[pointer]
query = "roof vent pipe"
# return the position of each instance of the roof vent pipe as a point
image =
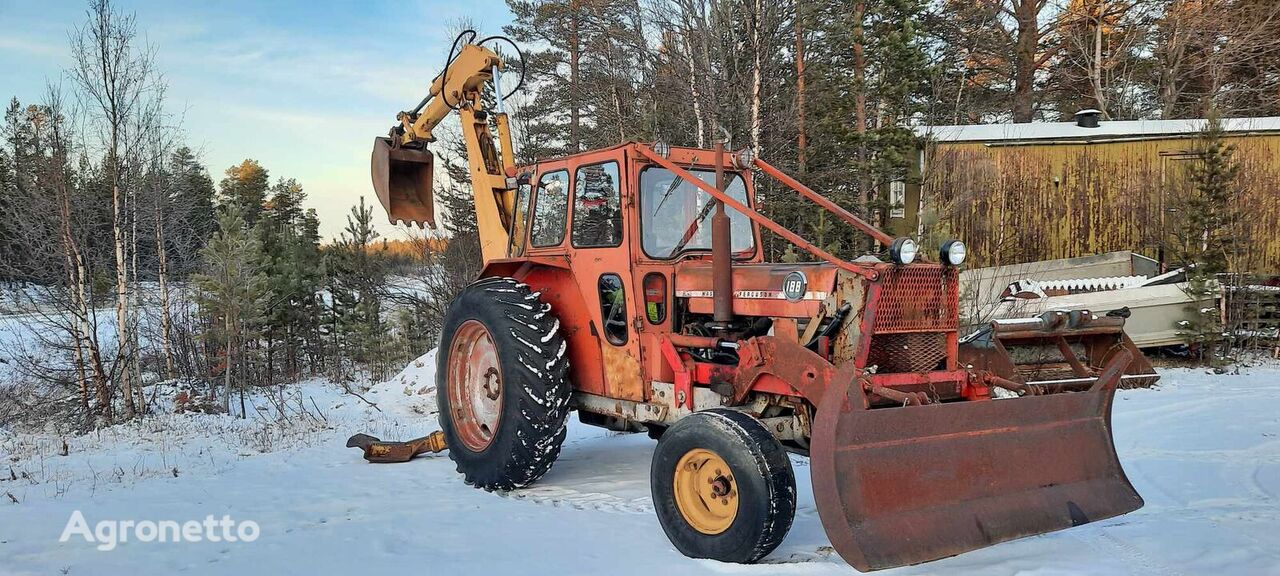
(1088, 118)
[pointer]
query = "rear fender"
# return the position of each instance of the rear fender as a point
(552, 278)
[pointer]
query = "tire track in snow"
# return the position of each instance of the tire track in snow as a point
(820, 554)
(560, 497)
(568, 498)
(1134, 560)
(1260, 486)
(1268, 453)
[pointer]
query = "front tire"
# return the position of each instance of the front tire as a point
(723, 487)
(501, 384)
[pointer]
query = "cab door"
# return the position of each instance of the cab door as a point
(602, 265)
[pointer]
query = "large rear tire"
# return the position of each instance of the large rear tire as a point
(501, 384)
(723, 487)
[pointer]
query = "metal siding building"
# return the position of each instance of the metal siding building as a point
(1024, 192)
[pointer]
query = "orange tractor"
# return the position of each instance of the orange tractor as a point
(629, 284)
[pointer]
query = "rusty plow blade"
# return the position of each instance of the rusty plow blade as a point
(903, 485)
(402, 178)
(383, 452)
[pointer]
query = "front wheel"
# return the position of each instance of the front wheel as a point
(501, 384)
(723, 487)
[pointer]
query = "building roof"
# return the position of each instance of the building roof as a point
(1107, 130)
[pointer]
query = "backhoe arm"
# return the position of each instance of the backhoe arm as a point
(402, 164)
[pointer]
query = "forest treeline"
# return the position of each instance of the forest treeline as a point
(223, 283)
(127, 264)
(829, 90)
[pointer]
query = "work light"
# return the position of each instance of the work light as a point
(952, 252)
(903, 251)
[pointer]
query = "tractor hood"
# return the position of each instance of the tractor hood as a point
(783, 290)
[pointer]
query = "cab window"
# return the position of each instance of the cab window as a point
(676, 215)
(550, 209)
(613, 309)
(597, 209)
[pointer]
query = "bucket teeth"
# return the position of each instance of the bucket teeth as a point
(402, 178)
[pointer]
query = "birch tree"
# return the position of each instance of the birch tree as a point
(120, 89)
(49, 202)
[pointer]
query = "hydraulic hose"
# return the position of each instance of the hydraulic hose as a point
(444, 74)
(470, 36)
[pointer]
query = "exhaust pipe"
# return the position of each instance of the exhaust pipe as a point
(721, 252)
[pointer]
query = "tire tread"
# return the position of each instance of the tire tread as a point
(542, 367)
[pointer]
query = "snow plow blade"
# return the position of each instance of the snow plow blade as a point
(402, 178)
(904, 485)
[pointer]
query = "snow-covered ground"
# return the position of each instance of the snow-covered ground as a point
(1202, 449)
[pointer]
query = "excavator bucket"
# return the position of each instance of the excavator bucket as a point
(903, 485)
(402, 178)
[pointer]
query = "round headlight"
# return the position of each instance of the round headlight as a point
(662, 149)
(903, 251)
(953, 252)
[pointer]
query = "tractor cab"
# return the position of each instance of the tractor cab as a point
(617, 225)
(594, 194)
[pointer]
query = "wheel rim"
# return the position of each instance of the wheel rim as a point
(705, 491)
(475, 386)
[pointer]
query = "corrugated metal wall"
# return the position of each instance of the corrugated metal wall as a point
(1020, 203)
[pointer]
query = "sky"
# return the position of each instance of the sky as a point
(302, 87)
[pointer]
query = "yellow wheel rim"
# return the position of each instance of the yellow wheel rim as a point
(705, 491)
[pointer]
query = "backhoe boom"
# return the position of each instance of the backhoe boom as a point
(402, 165)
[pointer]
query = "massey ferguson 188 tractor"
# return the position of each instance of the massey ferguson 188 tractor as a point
(629, 284)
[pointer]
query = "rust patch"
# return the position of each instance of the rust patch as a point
(621, 374)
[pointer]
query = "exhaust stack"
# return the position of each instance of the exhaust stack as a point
(721, 251)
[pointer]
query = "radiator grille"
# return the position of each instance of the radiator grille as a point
(909, 352)
(918, 298)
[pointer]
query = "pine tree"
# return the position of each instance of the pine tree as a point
(289, 241)
(193, 198)
(245, 186)
(356, 277)
(1207, 239)
(870, 62)
(588, 68)
(231, 293)
(309, 309)
(559, 26)
(8, 193)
